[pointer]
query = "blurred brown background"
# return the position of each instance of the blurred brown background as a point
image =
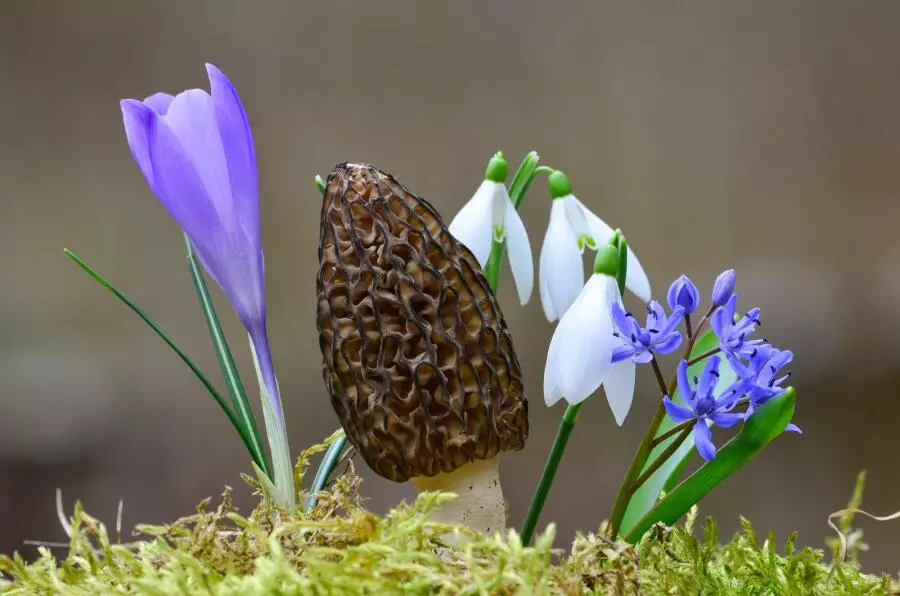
(759, 135)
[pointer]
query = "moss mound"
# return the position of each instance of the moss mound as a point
(340, 548)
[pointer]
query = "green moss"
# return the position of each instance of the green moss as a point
(340, 548)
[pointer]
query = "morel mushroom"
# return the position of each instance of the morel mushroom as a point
(418, 360)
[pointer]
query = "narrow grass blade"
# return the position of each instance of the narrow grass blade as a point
(670, 472)
(759, 430)
(162, 334)
(226, 361)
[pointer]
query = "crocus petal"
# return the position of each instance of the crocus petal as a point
(192, 118)
(159, 102)
(561, 269)
(473, 225)
(139, 121)
(635, 278)
(585, 341)
(622, 352)
(677, 412)
(519, 250)
(237, 143)
(673, 321)
(791, 427)
(703, 440)
(619, 388)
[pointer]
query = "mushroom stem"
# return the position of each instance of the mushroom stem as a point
(479, 502)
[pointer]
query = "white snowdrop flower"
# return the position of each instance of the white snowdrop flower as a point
(572, 228)
(490, 216)
(579, 360)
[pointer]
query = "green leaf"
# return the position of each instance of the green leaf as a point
(670, 472)
(767, 423)
(162, 334)
(329, 462)
(226, 362)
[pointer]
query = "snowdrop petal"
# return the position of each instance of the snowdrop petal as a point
(561, 269)
(586, 341)
(635, 279)
(473, 225)
(619, 387)
(518, 247)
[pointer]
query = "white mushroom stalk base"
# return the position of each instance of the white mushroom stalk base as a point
(479, 502)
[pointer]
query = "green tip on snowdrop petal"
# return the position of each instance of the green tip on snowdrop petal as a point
(497, 169)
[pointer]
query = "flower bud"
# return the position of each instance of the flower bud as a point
(723, 288)
(496, 169)
(683, 293)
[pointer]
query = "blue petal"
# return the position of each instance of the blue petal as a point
(237, 144)
(621, 353)
(684, 387)
(623, 322)
(673, 321)
(725, 420)
(710, 376)
(642, 356)
(703, 440)
(677, 412)
(656, 316)
(139, 121)
(793, 428)
(159, 102)
(191, 118)
(669, 344)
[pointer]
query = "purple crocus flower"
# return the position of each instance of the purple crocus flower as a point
(702, 405)
(683, 293)
(733, 334)
(640, 343)
(196, 152)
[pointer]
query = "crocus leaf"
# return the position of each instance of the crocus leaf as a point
(670, 472)
(768, 422)
(226, 362)
(162, 334)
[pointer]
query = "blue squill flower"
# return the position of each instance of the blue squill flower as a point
(702, 405)
(723, 287)
(733, 334)
(683, 293)
(760, 374)
(196, 152)
(640, 343)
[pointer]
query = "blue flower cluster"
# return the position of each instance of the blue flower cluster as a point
(755, 362)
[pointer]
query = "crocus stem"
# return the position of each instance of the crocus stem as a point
(659, 461)
(566, 425)
(273, 415)
(226, 361)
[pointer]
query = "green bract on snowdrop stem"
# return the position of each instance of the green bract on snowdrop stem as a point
(575, 371)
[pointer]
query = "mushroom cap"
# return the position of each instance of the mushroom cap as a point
(418, 360)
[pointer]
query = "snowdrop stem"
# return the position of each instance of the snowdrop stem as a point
(566, 426)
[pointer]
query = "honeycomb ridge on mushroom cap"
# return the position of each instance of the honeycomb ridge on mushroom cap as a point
(418, 360)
